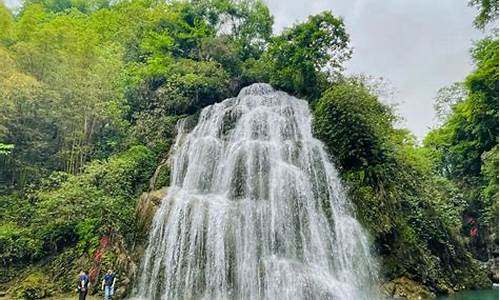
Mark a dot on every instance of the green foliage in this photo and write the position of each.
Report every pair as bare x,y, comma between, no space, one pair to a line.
472,127
305,56
251,25
156,131
18,244
448,97
77,211
56,69
353,124
85,6
488,12
6,23
246,25
489,172
5,148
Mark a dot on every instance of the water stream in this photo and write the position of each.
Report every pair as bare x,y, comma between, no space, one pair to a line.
255,210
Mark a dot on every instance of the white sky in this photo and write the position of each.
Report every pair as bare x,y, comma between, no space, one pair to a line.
418,46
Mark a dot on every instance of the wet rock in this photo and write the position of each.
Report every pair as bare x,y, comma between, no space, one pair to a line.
146,208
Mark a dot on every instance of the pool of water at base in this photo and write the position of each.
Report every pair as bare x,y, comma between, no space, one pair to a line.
490,294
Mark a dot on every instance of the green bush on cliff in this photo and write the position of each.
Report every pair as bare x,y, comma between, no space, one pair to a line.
354,125
356,128
18,244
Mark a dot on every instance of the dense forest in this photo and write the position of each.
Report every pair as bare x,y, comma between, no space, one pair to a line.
91,91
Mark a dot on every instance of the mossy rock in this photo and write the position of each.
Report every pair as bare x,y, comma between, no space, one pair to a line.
146,209
34,286
405,288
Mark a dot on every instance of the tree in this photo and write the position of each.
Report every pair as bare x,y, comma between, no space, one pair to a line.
304,57
6,23
472,127
447,98
25,123
488,12
246,24
84,6
353,124
465,148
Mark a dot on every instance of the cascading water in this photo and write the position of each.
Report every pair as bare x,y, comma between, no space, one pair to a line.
255,210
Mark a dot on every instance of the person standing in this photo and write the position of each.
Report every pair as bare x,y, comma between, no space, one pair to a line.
108,284
83,285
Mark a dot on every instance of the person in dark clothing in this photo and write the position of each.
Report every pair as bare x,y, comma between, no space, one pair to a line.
108,284
83,285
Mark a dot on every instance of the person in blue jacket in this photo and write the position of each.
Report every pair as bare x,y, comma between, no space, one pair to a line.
83,285
108,284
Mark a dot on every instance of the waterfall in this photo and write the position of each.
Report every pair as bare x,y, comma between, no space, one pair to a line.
255,210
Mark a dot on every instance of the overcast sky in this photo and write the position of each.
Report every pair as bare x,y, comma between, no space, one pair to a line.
418,46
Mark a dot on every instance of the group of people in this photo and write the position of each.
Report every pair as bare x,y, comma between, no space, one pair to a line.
108,285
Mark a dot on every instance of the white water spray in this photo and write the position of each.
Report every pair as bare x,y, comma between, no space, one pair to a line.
255,210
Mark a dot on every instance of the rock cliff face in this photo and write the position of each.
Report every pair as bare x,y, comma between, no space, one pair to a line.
146,208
